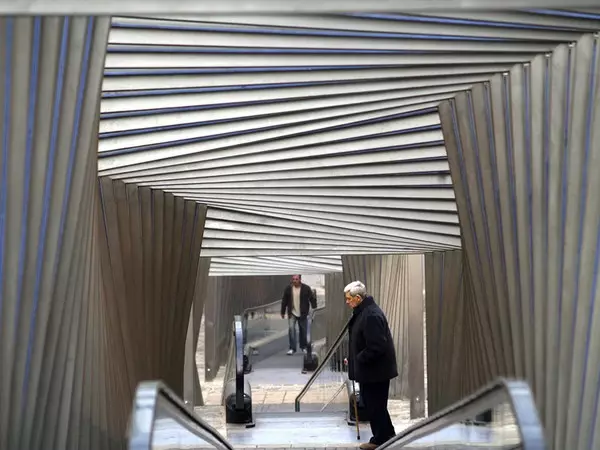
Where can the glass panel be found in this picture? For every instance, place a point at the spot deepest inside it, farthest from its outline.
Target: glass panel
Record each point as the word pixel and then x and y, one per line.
pixel 488 420
pixel 492 429
pixel 160 421
pixel 174 431
pixel 263 324
pixel 229 369
pixel 327 390
pixel 318 328
pixel 263 332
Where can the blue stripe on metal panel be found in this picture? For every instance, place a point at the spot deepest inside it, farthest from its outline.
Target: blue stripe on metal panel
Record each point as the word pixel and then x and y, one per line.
pixel 29 141
pixel 583 198
pixel 528 182
pixel 56 113
pixel 170 49
pixel 231 88
pixel 6 123
pixel 481 195
pixel 568 14
pixel 180 109
pixel 565 172
pixel 593 429
pixel 546 150
pixel 181 49
pixel 128 72
pixel 85 62
pixel 126 151
pixel 320 32
pixel 140 131
pixel 511 184
pixel 381 149
pixel 453 21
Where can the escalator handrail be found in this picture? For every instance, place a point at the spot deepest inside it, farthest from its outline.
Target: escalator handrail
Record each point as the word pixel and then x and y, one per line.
pixel 317 372
pixel 238 338
pixel 259 307
pixel 145 403
pixel 229 365
pixel 247 311
pixel 516 392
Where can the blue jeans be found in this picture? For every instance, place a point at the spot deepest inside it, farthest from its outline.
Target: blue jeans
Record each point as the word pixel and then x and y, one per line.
pixel 302 324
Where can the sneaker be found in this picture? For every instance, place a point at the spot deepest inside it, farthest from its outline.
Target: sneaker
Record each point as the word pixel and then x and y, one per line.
pixel 290 352
pixel 368 446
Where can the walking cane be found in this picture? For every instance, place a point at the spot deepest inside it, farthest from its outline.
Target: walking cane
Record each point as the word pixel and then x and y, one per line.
pixel 356 411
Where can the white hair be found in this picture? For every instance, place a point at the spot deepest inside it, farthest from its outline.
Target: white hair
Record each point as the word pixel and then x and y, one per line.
pixel 356 288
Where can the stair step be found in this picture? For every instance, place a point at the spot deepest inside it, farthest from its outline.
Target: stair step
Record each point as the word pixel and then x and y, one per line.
pixel 297 430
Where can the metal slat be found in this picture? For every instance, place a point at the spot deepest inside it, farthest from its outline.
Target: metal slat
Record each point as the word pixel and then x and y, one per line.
pixel 273 115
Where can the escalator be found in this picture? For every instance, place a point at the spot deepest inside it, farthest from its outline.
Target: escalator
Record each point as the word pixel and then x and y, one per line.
pixel 500 416
pixel 160 421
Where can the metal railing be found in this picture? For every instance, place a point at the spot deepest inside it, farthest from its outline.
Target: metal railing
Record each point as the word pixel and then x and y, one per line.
pixel 262 322
pixel 512 422
pixel 160 419
pixel 237 395
pixel 235 358
pixel 318 328
pixel 263 326
pixel 230 368
pixel 260 325
pixel 325 387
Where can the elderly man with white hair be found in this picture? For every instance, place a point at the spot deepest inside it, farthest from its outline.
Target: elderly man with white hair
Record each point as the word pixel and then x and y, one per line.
pixel 371 361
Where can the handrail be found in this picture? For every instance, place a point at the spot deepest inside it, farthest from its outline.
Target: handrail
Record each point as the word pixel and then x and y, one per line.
pixel 249 311
pixel 259 307
pixel 235 362
pixel 239 362
pixel 228 366
pixel 318 309
pixel 516 392
pixel 317 372
pixel 265 306
pixel 143 416
pixel 231 355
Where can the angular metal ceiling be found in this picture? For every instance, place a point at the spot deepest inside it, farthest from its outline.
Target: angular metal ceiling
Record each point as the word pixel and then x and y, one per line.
pixel 309 136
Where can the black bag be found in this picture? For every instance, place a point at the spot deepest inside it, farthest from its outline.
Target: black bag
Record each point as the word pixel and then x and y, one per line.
pixel 362 410
pixel 310 362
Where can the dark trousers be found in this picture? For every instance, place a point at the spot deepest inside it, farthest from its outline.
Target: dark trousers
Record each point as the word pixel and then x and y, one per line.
pixel 302 326
pixel 375 396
